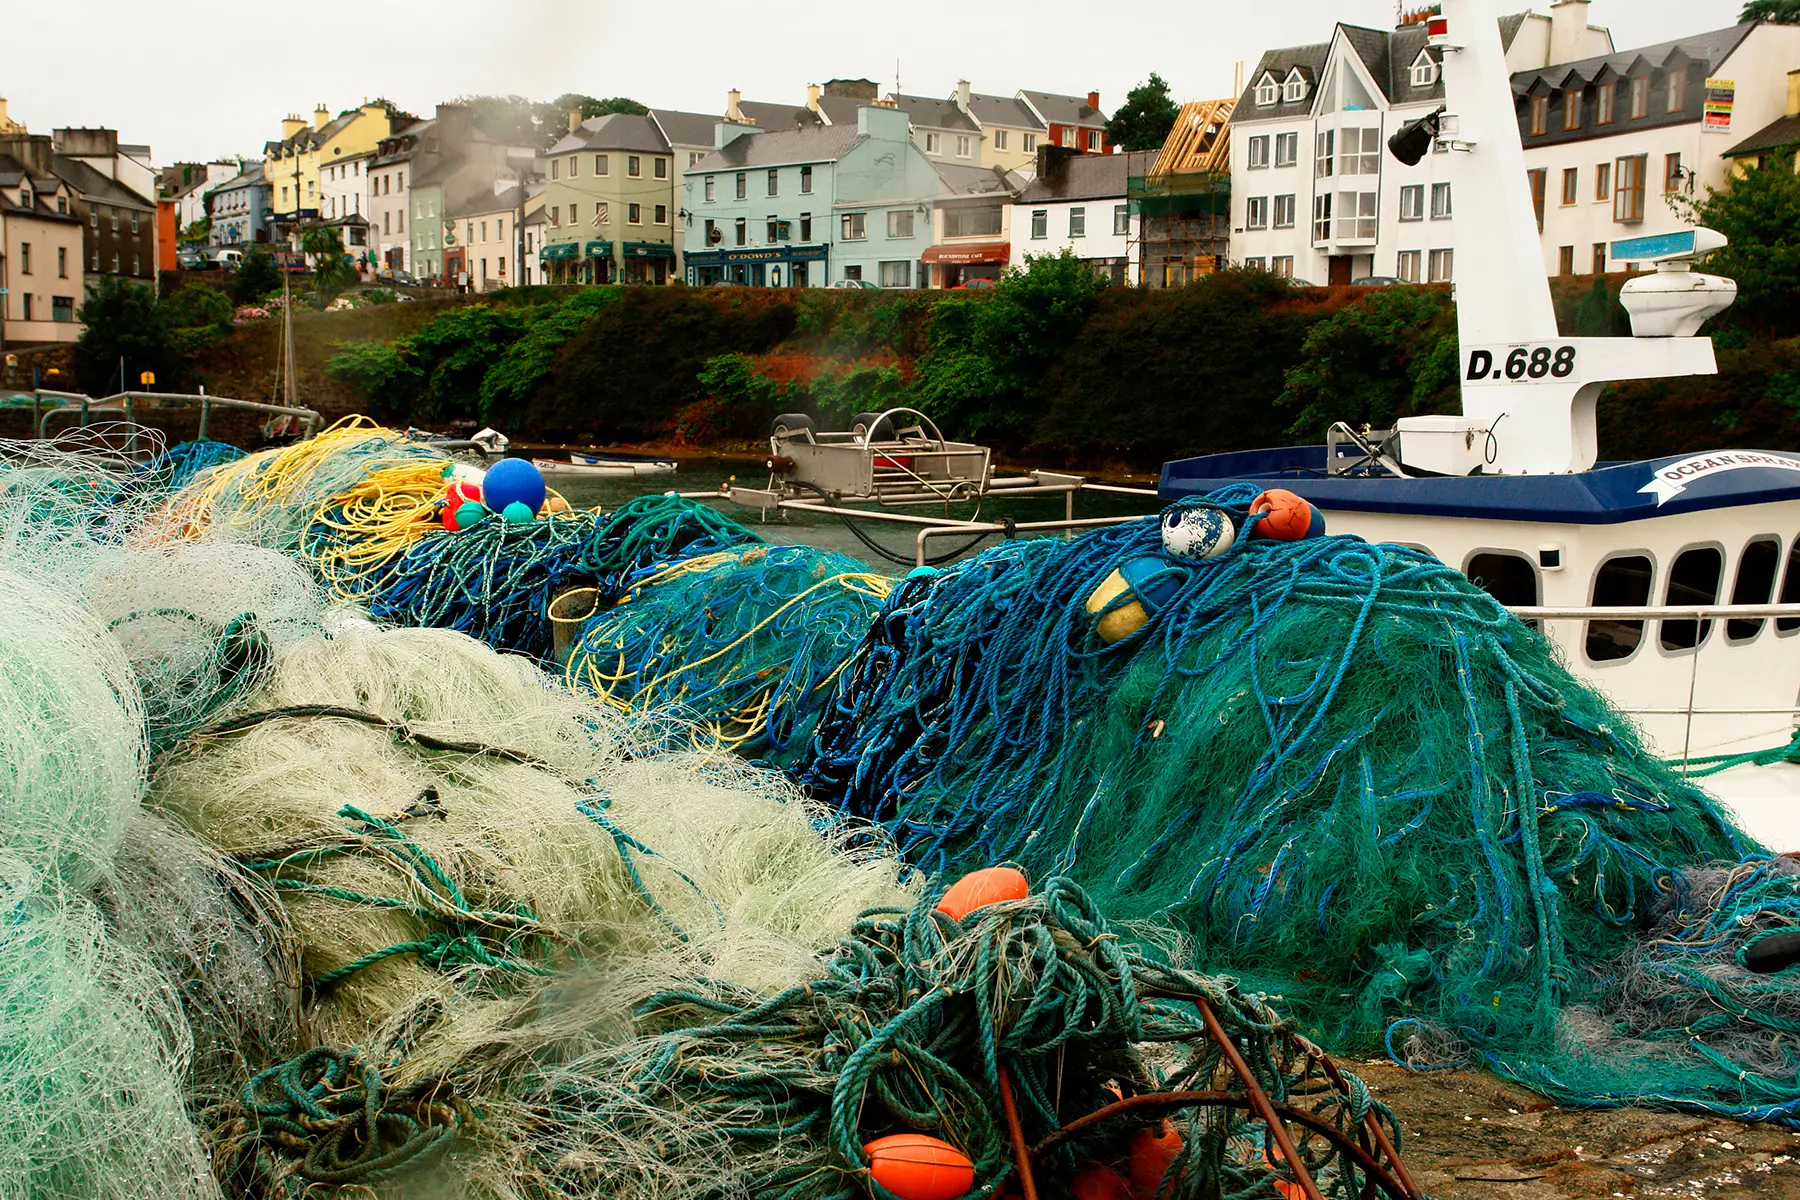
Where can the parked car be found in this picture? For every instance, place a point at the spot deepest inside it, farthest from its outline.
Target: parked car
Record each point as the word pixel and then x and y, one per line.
pixel 397 277
pixel 228 260
pixel 1378 281
pixel 856 284
pixel 192 260
pixel 974 285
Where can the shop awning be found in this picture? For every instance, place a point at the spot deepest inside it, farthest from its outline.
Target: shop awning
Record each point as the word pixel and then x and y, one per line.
pixel 981 252
pixel 557 250
pixel 649 250
pixel 599 250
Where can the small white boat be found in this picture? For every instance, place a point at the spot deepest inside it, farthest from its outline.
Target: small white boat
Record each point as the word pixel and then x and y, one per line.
pixel 590 467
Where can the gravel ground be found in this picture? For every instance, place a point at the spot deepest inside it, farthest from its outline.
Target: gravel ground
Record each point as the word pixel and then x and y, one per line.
pixel 1473 1136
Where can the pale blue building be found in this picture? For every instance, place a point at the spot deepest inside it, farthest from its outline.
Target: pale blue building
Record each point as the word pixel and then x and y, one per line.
pixel 810 207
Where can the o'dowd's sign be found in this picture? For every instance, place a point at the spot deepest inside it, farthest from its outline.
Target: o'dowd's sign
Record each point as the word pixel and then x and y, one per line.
pixel 1672 480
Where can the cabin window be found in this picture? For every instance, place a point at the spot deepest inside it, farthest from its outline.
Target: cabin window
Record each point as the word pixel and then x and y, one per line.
pixel 1510 578
pixel 1755 584
pixel 1693 580
pixel 1790 590
pixel 1622 582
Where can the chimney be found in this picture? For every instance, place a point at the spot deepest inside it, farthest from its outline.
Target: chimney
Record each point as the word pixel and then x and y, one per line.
pixel 812 100
pixel 6 122
pixel 883 123
pixel 290 125
pixel 1568 30
pixel 727 132
pixel 962 94
pixel 574 119
pixel 321 117
pixel 1094 101
pixel 1793 93
pixel 1053 161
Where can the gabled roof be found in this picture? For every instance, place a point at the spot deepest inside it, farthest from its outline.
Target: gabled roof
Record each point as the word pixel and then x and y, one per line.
pixel 1780 134
pixel 927 112
pixel 1063 110
pixel 1711 49
pixel 962 180
pixel 1083 177
pixel 779 118
pixel 840 110
pixel 684 128
pixel 826 143
pixel 1277 64
pixel 92 186
pixel 1003 110
pixel 250 176
pixel 12 174
pixel 615 131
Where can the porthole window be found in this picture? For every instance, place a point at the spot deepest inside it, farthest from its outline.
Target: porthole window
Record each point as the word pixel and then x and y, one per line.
pixel 1693 580
pixel 1510 578
pixel 1790 590
pixel 1755 584
pixel 1622 582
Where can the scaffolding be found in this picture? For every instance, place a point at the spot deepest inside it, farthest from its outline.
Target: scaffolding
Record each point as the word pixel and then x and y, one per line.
pixel 1181 197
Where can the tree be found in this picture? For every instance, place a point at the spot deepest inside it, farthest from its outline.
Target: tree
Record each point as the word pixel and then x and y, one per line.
pixel 1759 211
pixel 257 276
pixel 332 272
pixel 1144 120
pixel 125 321
pixel 519 121
pixel 1776 12
pixel 1390 354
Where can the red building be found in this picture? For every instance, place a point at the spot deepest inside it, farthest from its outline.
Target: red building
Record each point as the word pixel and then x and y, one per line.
pixel 1074 122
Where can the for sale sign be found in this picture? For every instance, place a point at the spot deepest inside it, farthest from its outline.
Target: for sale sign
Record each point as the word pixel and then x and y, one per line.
pixel 1721 99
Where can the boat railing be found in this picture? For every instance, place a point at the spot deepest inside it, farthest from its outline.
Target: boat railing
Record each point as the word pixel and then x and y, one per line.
pixel 126 403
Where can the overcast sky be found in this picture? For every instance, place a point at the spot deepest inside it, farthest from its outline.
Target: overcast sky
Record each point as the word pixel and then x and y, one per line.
pixel 201 80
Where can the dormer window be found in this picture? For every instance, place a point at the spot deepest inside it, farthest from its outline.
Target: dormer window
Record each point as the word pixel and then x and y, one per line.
pixel 25 197
pixel 1424 70
pixel 1294 89
pixel 1267 91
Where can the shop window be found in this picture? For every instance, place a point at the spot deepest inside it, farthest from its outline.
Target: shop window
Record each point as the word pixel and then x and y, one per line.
pixel 1510 578
pixel 1755 584
pixel 1693 580
pixel 1622 582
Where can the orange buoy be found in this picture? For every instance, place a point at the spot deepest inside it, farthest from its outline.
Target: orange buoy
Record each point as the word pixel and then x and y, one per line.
pixel 1151 1154
pixel 458 493
pixel 1100 1183
pixel 914 1166
pixel 1288 517
pixel 556 504
pixel 978 889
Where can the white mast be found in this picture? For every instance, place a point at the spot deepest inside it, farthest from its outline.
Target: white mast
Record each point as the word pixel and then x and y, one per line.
pixel 1529 395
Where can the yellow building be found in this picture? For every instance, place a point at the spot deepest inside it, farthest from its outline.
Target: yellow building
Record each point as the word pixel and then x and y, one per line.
pixel 291 166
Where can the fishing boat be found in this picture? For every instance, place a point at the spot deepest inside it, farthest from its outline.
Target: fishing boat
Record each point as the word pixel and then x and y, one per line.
pixel 594 466
pixel 1672 584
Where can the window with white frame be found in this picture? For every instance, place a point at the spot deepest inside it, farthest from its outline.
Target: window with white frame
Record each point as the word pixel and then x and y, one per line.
pixel 1000 139
pixel 855 227
pixel 1325 150
pixel 1040 223
pixel 1284 212
pixel 1267 91
pixel 1287 149
pixel 711 193
pixel 1406 267
pixel 1412 202
pixel 1282 265
pixel 1443 266
pixel 1322 217
pixel 1293 89
pixel 1424 70
pixel 1121 220
pixel 1259 153
pixel 1028 142
pixel 1357 216
pixel 1093 141
pixel 1256 212
pixel 934 143
pixel 1078 222
pixel 1256 264
pixel 1440 202
pixel 965 145
pixel 1359 151
pixel 900 223
pixel 984 221
pixel 896 274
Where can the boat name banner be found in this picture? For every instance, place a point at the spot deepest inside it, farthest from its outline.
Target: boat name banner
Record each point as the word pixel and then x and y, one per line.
pixel 1672 480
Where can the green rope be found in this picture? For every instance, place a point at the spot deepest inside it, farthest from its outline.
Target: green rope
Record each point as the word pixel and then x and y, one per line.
pixel 1713 764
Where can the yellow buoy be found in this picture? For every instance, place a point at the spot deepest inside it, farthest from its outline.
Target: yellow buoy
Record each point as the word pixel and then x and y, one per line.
pixel 1121 622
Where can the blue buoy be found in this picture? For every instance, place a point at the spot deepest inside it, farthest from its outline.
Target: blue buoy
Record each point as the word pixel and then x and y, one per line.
pixel 513 481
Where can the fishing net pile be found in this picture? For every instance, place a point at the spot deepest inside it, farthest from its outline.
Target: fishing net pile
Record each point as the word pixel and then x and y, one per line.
pixel 1352 778
pixel 746 643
